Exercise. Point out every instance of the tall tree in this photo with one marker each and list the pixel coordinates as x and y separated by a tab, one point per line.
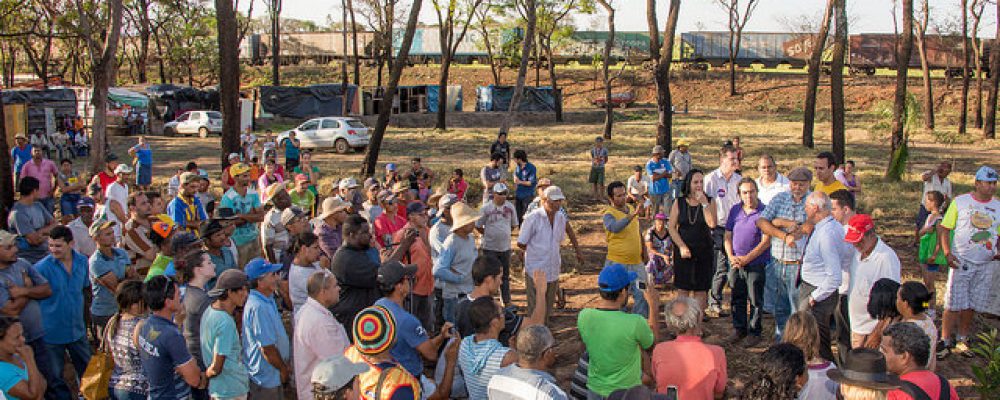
486	25
904	48
354	46
976	9
138	12
371	157
990	122
41	16
274	14
229	76
837	109
527	10
963	113
812	86
6	171
381	16
738	18
551	15
454	18
662	57
102	61
924	16
609	43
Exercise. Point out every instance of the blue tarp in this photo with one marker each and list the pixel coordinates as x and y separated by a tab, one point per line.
454	98
497	98
307	101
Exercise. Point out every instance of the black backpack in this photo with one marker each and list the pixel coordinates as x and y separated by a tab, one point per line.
917	393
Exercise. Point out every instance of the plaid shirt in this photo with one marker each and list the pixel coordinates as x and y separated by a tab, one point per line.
784	206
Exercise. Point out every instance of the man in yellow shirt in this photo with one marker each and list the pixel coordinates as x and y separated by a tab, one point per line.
625	241
825	165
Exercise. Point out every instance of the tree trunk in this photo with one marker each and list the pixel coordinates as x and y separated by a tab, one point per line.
921	31
522	71
662	56
371	157
145	31
815	64
978	53
229	77
103	69
345	108
442	110
899	151
354	46
963	113
990	122
733	50
275	42
554	80
609	115
837	81
6	171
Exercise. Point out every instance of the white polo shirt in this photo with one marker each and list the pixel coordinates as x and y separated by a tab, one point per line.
766	192
725	192
542	240
881	263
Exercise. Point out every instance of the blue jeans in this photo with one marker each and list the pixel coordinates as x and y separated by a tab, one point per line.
449	309
121	394
79	355
49	203
68	203
42	359
639	306
781	292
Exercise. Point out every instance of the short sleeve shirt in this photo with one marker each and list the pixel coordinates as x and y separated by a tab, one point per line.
976	225
31	314
599	157
242	205
25	219
614	340
746	234
542	241
662	185
11	375
184	212
526	173
219	336
118	193
262	326
44	172
162	350
409	334
497	223
63	310
104	303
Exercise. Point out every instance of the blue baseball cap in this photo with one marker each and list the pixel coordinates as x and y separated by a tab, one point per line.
85	202
615	277
986	174
259	267
390	166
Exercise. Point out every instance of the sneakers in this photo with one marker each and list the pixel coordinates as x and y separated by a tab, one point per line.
716	312
944	349
962	348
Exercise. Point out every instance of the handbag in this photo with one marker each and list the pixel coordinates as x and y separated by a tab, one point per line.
97	376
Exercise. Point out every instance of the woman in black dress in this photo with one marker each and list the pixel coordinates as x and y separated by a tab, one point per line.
692	218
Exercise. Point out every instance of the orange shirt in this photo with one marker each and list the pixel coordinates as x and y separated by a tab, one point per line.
697	369
420	255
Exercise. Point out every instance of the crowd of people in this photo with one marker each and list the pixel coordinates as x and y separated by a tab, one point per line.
399	287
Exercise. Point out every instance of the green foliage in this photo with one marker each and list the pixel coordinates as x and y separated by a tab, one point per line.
988	374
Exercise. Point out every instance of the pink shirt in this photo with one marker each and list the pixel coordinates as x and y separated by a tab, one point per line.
317	336
927	381
697	369
44	172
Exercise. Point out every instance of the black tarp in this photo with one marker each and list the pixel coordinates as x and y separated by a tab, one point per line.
307	101
497	98
62	101
168	101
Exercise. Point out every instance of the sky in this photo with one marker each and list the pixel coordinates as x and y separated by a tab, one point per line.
866	16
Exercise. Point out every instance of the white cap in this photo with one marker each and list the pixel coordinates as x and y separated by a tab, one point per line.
553	193
123	169
348	183
499	188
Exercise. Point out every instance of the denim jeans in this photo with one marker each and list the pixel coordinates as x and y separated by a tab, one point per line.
781	289
79	354
49	203
450	303
122	394
67	203
639	305
715	295
503	257
748	286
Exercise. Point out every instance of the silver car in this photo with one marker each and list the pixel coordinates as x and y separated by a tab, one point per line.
191	122
340	133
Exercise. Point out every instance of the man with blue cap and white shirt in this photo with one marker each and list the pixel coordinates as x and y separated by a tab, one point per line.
613	337
972	255
266	349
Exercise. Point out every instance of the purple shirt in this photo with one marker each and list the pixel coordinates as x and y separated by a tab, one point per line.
746	234
44	172
330	238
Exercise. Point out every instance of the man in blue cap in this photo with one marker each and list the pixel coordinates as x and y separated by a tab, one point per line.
266	349
972	254
613	337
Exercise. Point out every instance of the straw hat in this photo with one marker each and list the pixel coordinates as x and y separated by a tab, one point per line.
462	214
331	205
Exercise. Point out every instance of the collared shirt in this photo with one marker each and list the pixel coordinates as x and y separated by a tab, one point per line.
135	240
244	204
826	257
317	336
542	240
453	266
31	314
82	242
662	185
767	191
262	327
515	383
680	161
942	185
746	234
784	206
725	192
218	336
385	226
44	171
881	263
526	173
104	303
184	212
63	310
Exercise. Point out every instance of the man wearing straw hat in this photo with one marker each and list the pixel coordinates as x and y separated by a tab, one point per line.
453	266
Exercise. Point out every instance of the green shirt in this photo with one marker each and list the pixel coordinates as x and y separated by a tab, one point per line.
303	200
312	170
220	336
158	266
614	340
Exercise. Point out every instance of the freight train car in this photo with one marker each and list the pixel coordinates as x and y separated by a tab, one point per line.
426	47
586	46
869	51
297	47
768	48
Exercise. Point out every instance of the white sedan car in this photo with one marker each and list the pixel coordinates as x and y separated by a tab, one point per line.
340	133
191	122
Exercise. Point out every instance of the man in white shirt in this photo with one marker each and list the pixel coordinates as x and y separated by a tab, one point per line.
771	182
825	257
843	211
874	260
317	334
542	233
83	243
722	184
116	199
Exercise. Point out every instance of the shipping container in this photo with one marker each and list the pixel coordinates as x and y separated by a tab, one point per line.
869	51
426	46
768	48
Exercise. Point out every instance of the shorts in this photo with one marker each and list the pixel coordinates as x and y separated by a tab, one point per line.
969	286
596	175
144	175
932	268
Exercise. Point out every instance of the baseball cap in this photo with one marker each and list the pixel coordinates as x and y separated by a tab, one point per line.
301	178
599	139
110	157
544	182
657	149
499	188
683	142
85	202
392	272
238	169
161	228
390	167
290	214
123	169
374	330
415	207
371	183
334	372
229	279
214	226
225	214
554	193
385	195
259	267
348	183
234	155
986	174
99	225
21	136
615	277
189	177
800	174
857	226
446	202
7	238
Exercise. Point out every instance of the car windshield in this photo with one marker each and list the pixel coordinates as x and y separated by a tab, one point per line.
353	123
214	115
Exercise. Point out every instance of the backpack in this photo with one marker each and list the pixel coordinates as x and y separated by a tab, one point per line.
916	393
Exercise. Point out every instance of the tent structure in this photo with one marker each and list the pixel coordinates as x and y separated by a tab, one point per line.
42	109
168	101
128	97
307	101
497	98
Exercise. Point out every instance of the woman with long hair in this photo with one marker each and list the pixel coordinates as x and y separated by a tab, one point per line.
128	381
802	331
692	218
195	269
780	374
912	301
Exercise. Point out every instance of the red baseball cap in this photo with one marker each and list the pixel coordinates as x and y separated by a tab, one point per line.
857	226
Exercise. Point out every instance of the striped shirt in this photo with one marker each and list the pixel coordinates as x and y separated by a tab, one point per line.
479	362
784	206
515	383
135	240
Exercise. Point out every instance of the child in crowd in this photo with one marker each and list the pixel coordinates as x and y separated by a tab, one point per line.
457	185
638	191
930	254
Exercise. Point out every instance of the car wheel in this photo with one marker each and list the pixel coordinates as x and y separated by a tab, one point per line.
203	132
341	146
